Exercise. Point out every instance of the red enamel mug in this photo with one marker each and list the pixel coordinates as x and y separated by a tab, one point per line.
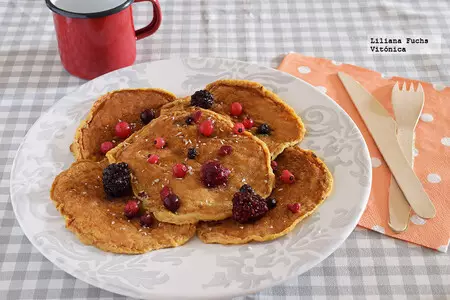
98	36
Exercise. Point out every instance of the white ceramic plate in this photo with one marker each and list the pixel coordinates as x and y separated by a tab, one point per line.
195	270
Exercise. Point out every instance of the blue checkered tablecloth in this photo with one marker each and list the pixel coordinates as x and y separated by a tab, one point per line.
368	265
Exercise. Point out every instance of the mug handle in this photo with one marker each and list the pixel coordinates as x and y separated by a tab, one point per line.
154	24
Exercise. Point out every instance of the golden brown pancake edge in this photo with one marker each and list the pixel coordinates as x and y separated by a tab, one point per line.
78	195
312	190
125	105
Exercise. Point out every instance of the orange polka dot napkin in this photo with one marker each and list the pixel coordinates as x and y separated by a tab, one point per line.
432	153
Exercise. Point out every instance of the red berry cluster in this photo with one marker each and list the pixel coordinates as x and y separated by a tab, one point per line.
170	201
132	209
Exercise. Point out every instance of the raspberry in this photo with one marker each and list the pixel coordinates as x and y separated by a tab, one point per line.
264	129
123	130
206	128
131	209
179	170
117	180
274	165
106	146
159	142
172	203
202	99
248	123
213	174
146	220
147	116
295	207
153	159
225	150
287	177
165	192
238	128
248	207
236	109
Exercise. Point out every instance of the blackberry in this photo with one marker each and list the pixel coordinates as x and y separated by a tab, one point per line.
213	174
271	203
246	188
117	180
264	129
192	153
147	116
202	99
248	207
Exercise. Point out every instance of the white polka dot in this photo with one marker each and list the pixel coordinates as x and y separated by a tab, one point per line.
303	70
434	178
445	141
376	162
442	248
336	63
439	87
378	228
426	117
322	89
415	219
415	152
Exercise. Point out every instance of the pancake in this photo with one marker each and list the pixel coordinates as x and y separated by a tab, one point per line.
111	108
312	185
78	195
249	163
258	103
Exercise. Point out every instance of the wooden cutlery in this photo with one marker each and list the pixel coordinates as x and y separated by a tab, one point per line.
407	105
384	131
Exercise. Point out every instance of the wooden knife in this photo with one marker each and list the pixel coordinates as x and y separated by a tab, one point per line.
383	129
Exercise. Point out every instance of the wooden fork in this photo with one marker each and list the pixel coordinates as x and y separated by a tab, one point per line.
407	109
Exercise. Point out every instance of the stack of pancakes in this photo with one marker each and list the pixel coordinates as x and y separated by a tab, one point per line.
79	195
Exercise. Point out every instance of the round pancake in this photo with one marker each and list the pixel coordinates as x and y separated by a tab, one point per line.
249	163
258	103
78	195
111	108
312	185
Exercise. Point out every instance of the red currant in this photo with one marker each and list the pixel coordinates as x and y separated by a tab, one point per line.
287	177
225	150
172	202
196	115
238	128
123	130
146	220
106	146
131	209
248	123
153	159
179	170
236	109
295	207
165	191
159	142
206	127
